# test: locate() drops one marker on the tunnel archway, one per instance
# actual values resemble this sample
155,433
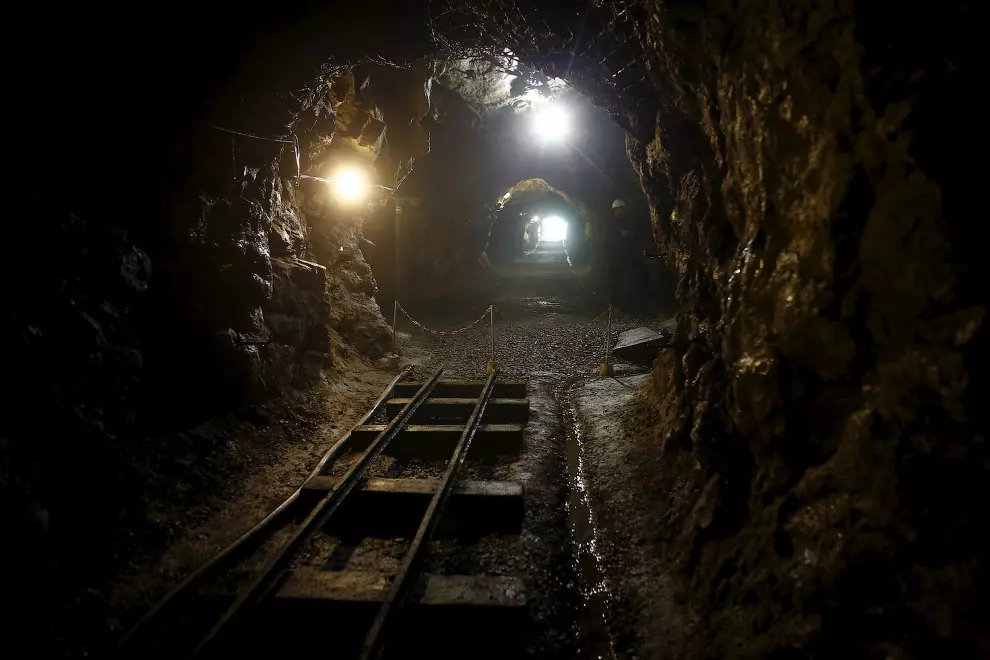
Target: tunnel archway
477,152
518,214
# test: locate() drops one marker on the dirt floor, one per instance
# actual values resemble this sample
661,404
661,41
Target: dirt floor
550,329
260,463
620,467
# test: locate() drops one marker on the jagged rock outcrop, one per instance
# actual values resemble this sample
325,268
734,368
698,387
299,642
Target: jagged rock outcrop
822,438
827,339
282,283
241,282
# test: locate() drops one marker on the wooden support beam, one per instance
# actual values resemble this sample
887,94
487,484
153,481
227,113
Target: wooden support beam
437,442
499,411
509,389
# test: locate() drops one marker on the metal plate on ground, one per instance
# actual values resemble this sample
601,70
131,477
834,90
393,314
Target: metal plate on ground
640,345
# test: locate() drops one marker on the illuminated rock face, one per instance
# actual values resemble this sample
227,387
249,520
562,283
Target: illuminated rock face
804,172
281,253
825,398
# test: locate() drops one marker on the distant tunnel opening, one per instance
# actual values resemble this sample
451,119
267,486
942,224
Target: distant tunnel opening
533,212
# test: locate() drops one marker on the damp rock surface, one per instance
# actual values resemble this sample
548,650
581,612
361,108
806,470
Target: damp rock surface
822,398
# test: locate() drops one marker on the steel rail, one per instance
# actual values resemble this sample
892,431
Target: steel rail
331,454
403,579
265,582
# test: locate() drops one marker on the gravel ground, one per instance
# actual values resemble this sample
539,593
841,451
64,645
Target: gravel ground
549,329
262,464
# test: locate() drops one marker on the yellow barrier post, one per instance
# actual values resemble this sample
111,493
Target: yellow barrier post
392,359
605,369
492,364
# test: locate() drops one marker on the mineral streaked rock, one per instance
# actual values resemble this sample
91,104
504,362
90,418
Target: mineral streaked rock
824,379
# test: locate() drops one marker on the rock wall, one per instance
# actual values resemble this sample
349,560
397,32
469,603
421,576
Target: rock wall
820,423
269,277
830,352
240,283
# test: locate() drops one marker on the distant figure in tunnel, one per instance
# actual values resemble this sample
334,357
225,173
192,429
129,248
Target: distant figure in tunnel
624,267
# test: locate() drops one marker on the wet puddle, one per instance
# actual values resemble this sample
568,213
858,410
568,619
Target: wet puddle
558,304
595,598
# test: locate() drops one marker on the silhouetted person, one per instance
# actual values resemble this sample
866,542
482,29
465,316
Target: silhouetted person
624,263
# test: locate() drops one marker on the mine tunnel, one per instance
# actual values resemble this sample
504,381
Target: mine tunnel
496,328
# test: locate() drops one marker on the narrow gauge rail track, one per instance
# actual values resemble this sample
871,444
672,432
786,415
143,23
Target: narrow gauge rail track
282,608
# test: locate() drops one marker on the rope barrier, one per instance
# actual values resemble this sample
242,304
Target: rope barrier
324,179
605,368
278,138
602,314
608,338
443,332
489,313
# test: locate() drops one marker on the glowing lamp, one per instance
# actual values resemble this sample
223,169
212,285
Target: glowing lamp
551,123
348,185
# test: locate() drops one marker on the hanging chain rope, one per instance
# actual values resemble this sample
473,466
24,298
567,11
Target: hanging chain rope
608,337
444,332
281,139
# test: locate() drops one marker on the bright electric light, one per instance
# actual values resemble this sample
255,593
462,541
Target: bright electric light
348,185
551,123
554,228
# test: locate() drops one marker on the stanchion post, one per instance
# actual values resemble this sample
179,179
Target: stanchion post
608,338
492,364
393,358
395,319
605,369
